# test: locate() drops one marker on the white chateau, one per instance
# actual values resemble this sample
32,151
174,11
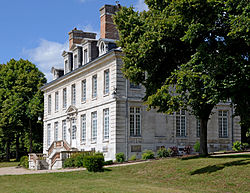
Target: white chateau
90,106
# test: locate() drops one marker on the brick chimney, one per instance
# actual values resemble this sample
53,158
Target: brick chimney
108,28
76,36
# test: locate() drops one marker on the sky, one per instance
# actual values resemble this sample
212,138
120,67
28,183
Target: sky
37,30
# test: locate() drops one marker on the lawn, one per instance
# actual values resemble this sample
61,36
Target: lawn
217,174
8,164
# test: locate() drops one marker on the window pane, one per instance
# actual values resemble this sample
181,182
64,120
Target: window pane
106,123
64,129
94,126
106,82
83,127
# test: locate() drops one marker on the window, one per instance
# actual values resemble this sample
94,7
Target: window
94,126
64,98
56,101
48,134
134,86
102,48
56,131
198,128
223,124
135,121
64,129
75,61
106,124
49,104
94,86
85,55
73,129
180,123
83,117
84,90
106,81
66,66
73,94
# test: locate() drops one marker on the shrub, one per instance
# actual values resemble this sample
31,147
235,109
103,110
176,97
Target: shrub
120,157
109,162
69,162
78,160
24,161
187,149
197,146
94,163
239,146
174,151
163,152
148,154
132,158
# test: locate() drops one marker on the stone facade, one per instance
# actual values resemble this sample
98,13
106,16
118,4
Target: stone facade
93,107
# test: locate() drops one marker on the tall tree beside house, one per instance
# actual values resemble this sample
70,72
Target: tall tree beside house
21,103
189,54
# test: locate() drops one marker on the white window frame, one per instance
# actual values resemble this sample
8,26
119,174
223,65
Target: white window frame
135,121
56,101
56,131
83,128
106,124
64,129
94,86
64,98
49,104
223,123
73,94
106,82
85,56
181,123
48,135
198,128
84,90
74,129
94,126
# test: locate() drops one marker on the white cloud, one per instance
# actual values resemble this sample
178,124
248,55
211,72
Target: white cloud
141,6
48,54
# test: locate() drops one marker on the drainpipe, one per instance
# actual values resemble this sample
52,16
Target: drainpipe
126,120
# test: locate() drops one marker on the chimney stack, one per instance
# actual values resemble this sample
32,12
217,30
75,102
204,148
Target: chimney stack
76,36
108,28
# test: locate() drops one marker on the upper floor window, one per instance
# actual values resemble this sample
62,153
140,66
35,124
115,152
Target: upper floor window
65,98
56,131
83,117
73,94
135,121
64,129
106,124
49,104
180,123
94,126
56,101
106,81
84,90
85,56
94,86
223,124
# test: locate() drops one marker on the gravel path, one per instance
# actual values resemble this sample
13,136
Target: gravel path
22,171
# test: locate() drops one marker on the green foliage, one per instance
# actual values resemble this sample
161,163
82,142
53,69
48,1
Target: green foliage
120,157
76,160
24,161
239,146
108,162
69,163
132,158
163,152
148,154
197,146
94,163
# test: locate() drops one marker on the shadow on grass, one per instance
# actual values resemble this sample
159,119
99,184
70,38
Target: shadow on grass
193,157
232,156
213,168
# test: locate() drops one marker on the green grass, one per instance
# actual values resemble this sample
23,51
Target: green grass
8,164
217,174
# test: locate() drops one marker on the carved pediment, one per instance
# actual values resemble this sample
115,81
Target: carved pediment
71,110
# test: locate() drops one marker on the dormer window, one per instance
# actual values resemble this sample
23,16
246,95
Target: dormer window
75,61
102,49
85,56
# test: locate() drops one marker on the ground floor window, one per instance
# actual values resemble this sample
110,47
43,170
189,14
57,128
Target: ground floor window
48,134
83,117
64,127
135,121
73,129
198,128
106,123
180,123
94,126
223,124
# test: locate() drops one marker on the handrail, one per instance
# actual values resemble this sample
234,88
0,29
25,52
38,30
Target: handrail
53,159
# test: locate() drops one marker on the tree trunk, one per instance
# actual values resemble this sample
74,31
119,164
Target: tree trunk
8,150
203,136
17,148
30,137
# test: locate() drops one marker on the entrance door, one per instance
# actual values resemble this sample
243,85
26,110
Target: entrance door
73,133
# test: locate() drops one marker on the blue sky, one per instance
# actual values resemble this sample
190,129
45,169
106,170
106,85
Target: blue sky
37,30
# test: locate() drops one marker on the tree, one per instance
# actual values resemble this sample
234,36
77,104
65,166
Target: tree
21,103
188,54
